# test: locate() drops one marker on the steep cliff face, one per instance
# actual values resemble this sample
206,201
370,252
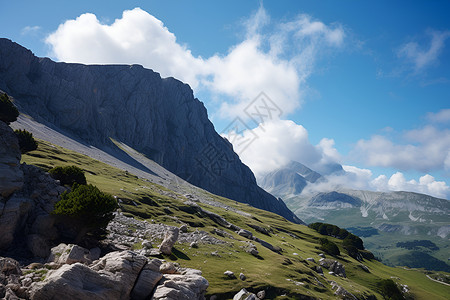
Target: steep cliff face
157,116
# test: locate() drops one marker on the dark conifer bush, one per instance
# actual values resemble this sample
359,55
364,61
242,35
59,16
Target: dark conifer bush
8,112
68,175
26,141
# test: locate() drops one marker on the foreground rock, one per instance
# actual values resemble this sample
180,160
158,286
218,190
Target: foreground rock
26,215
118,275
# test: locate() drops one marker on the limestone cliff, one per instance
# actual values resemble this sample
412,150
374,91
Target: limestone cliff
157,116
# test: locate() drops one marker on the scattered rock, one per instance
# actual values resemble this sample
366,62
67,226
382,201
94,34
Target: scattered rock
365,268
242,276
9,266
170,238
193,245
261,294
244,295
311,259
168,268
147,244
341,292
183,228
322,255
334,266
229,274
245,233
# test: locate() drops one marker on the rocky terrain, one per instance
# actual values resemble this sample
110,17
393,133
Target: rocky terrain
158,117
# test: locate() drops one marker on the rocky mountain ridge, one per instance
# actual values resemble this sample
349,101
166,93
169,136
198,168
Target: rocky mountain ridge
158,117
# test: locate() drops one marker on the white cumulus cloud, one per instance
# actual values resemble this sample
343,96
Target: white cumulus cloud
426,149
277,142
261,62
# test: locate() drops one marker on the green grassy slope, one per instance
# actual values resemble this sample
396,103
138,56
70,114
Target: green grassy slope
287,275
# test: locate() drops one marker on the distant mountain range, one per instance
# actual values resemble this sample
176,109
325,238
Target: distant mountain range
381,218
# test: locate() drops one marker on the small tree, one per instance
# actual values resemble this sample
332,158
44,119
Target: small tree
68,175
8,112
329,247
389,290
85,209
26,140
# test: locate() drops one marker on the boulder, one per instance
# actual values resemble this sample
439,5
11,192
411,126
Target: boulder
70,254
242,276
78,281
333,266
229,274
244,295
147,280
170,238
261,294
111,277
245,233
168,268
186,287
9,266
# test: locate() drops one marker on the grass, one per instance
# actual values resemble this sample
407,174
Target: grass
270,271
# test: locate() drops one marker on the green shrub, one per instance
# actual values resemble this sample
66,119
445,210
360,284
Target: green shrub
85,209
329,247
389,290
68,175
8,112
26,140
353,240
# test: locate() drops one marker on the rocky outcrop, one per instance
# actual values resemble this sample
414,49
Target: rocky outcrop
158,117
11,177
25,217
333,266
117,275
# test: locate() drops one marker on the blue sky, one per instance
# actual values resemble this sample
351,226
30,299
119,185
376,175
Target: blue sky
363,84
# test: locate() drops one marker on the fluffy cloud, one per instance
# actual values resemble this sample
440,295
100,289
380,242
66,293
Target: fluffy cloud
260,63
277,142
362,179
136,38
427,184
425,150
422,58
443,116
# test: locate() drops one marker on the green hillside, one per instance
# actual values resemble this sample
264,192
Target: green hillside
284,275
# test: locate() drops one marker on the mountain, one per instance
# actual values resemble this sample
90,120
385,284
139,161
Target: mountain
288,180
382,219
106,105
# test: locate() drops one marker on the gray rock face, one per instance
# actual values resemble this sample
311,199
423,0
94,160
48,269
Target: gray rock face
158,117
174,287
11,177
27,212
